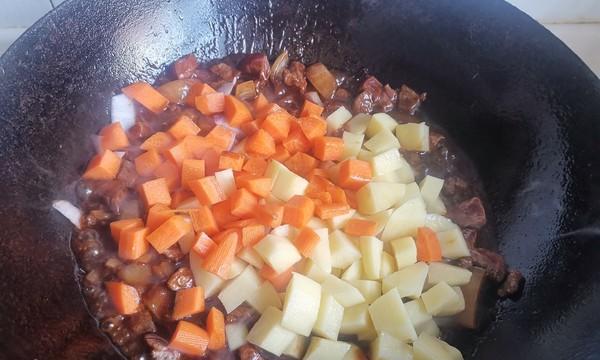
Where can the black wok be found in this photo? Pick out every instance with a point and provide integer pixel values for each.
(521, 104)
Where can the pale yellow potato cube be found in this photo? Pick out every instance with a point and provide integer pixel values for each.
(405, 251)
(352, 144)
(357, 320)
(405, 220)
(226, 181)
(387, 161)
(439, 298)
(389, 315)
(388, 265)
(321, 254)
(337, 119)
(408, 281)
(382, 141)
(435, 206)
(337, 272)
(301, 305)
(418, 314)
(380, 121)
(343, 250)
(370, 289)
(353, 272)
(267, 332)
(387, 347)
(287, 184)
(450, 274)
(438, 223)
(274, 167)
(453, 244)
(297, 348)
(412, 192)
(313, 271)
(236, 334)
(210, 282)
(378, 196)
(364, 155)
(358, 124)
(240, 289)
(371, 249)
(330, 318)
(368, 335)
(286, 231)
(431, 187)
(278, 252)
(427, 347)
(250, 256)
(265, 297)
(342, 291)
(325, 349)
(355, 353)
(338, 222)
(237, 266)
(413, 137)
(316, 223)
(431, 328)
(381, 219)
(455, 307)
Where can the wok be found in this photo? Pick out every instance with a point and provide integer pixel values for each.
(519, 102)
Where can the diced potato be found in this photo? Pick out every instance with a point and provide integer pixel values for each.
(371, 249)
(250, 256)
(337, 272)
(418, 315)
(274, 167)
(355, 353)
(324, 349)
(439, 298)
(389, 315)
(337, 119)
(210, 282)
(453, 244)
(388, 161)
(408, 281)
(353, 272)
(381, 219)
(436, 206)
(330, 318)
(267, 332)
(455, 307)
(405, 220)
(236, 334)
(356, 320)
(427, 347)
(297, 348)
(342, 291)
(413, 137)
(352, 144)
(316, 223)
(278, 252)
(338, 222)
(405, 251)
(313, 271)
(412, 192)
(240, 289)
(343, 250)
(450, 274)
(237, 266)
(271, 199)
(370, 289)
(431, 328)
(387, 347)
(369, 335)
(358, 124)
(288, 184)
(388, 265)
(301, 305)
(431, 187)
(378, 196)
(226, 181)
(380, 121)
(439, 223)
(364, 155)
(286, 231)
(265, 297)
(321, 254)
(382, 141)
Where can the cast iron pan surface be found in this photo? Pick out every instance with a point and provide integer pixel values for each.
(522, 106)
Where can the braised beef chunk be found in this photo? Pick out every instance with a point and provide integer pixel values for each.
(89, 248)
(249, 352)
(294, 76)
(409, 100)
(435, 139)
(512, 284)
(342, 95)
(159, 301)
(141, 323)
(493, 263)
(127, 174)
(174, 253)
(159, 348)
(185, 67)
(454, 185)
(470, 236)
(363, 103)
(118, 331)
(181, 279)
(374, 97)
(224, 71)
(256, 65)
(243, 313)
(469, 213)
(139, 131)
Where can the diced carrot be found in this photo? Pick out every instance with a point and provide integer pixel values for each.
(270, 215)
(222, 137)
(157, 215)
(255, 165)
(203, 220)
(317, 185)
(238, 224)
(155, 192)
(316, 172)
(133, 243)
(158, 141)
(353, 174)
(167, 234)
(310, 108)
(328, 148)
(337, 195)
(327, 211)
(124, 298)
(170, 173)
(191, 169)
(188, 302)
(209, 104)
(231, 160)
(222, 214)
(428, 245)
(117, 227)
(232, 233)
(198, 89)
(252, 234)
(146, 95)
(211, 161)
(281, 153)
(268, 109)
(298, 211)
(180, 196)
(198, 145)
(279, 281)
(215, 326)
(351, 199)
(189, 339)
(301, 163)
(260, 186)
(236, 111)
(313, 126)
(322, 197)
(306, 240)
(277, 124)
(103, 166)
(113, 137)
(360, 227)
(147, 163)
(178, 152)
(250, 127)
(203, 245)
(261, 143)
(242, 203)
(296, 142)
(183, 126)
(207, 190)
(260, 103)
(218, 260)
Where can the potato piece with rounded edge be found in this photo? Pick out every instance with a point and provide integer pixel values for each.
(378, 196)
(324, 349)
(427, 347)
(405, 220)
(337, 119)
(210, 282)
(265, 297)
(405, 251)
(358, 124)
(371, 249)
(357, 320)
(370, 289)
(240, 289)
(387, 347)
(297, 348)
(352, 144)
(380, 121)
(330, 318)
(342, 291)
(301, 305)
(388, 265)
(439, 298)
(450, 274)
(408, 281)
(382, 141)
(278, 252)
(343, 250)
(453, 244)
(267, 332)
(413, 137)
(389, 314)
(236, 334)
(353, 272)
(418, 315)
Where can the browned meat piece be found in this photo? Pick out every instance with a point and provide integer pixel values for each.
(409, 100)
(470, 237)
(294, 76)
(158, 300)
(331, 106)
(174, 253)
(224, 71)
(100, 216)
(454, 185)
(249, 352)
(322, 79)
(374, 96)
(341, 95)
(160, 348)
(372, 86)
(469, 213)
(113, 194)
(243, 313)
(141, 323)
(181, 279)
(363, 103)
(139, 131)
(391, 94)
(435, 139)
(164, 269)
(256, 65)
(222, 354)
(184, 67)
(493, 263)
(511, 284)
(121, 335)
(127, 174)
(89, 249)
(465, 262)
